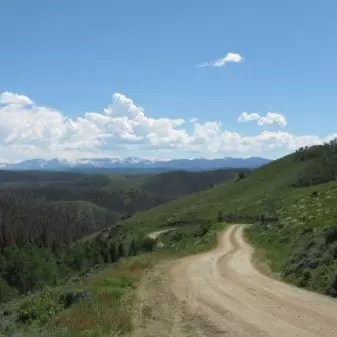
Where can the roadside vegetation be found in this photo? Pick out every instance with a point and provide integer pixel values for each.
(100, 301)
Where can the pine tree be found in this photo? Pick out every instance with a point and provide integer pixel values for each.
(133, 248)
(121, 249)
(113, 252)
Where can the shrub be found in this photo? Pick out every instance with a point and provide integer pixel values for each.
(40, 307)
(332, 289)
(148, 244)
(29, 268)
(72, 297)
(7, 292)
(177, 236)
(331, 235)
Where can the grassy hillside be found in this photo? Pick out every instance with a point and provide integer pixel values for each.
(247, 197)
(293, 203)
(270, 191)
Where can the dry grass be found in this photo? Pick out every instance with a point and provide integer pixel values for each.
(108, 312)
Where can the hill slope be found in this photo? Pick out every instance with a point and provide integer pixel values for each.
(293, 200)
(33, 203)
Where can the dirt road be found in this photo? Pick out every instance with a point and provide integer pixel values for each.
(155, 235)
(231, 298)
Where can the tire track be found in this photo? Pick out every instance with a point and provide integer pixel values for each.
(225, 290)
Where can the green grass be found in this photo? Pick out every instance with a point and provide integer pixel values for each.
(267, 192)
(109, 311)
(258, 192)
(191, 239)
(274, 248)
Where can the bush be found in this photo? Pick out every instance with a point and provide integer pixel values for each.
(40, 308)
(332, 289)
(176, 237)
(220, 216)
(7, 292)
(29, 268)
(331, 235)
(76, 258)
(148, 244)
(72, 297)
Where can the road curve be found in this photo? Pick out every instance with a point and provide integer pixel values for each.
(155, 235)
(231, 297)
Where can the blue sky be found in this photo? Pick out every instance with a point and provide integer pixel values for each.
(61, 60)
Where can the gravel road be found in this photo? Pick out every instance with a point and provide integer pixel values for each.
(232, 298)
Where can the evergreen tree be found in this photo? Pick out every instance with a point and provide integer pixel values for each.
(121, 249)
(220, 217)
(113, 252)
(133, 248)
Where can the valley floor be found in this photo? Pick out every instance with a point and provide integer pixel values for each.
(221, 293)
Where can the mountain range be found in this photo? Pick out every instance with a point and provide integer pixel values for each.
(134, 164)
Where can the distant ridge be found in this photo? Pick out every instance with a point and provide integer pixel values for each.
(135, 164)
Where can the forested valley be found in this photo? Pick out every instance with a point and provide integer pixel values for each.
(43, 216)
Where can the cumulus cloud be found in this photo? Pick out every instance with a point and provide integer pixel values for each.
(248, 117)
(123, 128)
(11, 98)
(221, 62)
(269, 119)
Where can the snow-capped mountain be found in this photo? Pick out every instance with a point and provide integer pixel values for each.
(102, 162)
(134, 163)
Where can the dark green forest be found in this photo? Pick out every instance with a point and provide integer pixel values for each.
(43, 216)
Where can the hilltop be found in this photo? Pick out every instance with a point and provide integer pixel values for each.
(267, 191)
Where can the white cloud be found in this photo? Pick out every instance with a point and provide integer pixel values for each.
(11, 98)
(273, 118)
(269, 119)
(122, 129)
(221, 62)
(248, 117)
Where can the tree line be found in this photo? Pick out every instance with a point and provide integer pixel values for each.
(30, 267)
(52, 215)
(319, 164)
